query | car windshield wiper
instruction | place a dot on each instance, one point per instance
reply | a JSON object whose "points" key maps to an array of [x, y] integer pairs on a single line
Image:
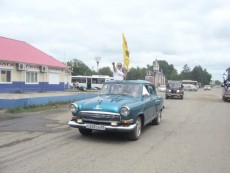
{"points": [[126, 94], [109, 94]]}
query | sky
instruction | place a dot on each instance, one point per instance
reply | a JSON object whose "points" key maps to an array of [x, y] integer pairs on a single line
{"points": [[180, 32]]}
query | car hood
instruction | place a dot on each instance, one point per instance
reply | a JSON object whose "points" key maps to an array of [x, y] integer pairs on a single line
{"points": [[105, 103]]}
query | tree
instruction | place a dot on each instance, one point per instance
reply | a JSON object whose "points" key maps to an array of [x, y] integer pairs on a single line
{"points": [[169, 71], [197, 73], [186, 73], [207, 77], [217, 82], [105, 71], [80, 68], [200, 75], [136, 73]]}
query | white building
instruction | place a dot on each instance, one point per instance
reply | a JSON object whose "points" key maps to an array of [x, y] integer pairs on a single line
{"points": [[24, 68], [155, 76]]}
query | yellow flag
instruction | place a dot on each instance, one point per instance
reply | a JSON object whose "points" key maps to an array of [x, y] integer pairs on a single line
{"points": [[125, 52]]}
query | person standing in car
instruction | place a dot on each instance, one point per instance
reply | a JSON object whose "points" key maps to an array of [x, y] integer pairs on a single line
{"points": [[117, 71], [225, 77]]}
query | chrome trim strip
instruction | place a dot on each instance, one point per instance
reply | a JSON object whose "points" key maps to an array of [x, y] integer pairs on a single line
{"points": [[98, 112], [74, 104], [119, 128]]}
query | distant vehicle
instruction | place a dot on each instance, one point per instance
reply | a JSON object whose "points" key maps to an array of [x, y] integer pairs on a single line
{"points": [[226, 92], [188, 83], [174, 89], [207, 87], [190, 88], [162, 88], [88, 82], [121, 106]]}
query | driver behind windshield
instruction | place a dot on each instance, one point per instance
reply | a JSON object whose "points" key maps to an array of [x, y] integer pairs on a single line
{"points": [[133, 90]]}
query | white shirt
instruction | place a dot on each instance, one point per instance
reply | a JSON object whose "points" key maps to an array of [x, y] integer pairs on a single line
{"points": [[225, 75], [118, 75]]}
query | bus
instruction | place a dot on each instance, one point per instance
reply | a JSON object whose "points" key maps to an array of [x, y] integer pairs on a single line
{"points": [[90, 82], [188, 83]]}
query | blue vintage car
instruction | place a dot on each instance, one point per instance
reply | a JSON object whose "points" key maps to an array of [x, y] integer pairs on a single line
{"points": [[123, 106]]}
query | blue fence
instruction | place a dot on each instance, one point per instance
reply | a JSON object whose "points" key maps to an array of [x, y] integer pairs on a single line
{"points": [[20, 87], [25, 102]]}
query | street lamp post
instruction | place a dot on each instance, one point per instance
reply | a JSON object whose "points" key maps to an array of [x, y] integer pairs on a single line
{"points": [[98, 59]]}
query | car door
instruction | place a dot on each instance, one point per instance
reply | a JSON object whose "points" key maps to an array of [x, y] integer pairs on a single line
{"points": [[153, 96], [156, 101], [151, 103], [147, 104]]}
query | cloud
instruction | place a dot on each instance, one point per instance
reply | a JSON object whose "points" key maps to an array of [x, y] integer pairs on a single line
{"points": [[180, 32]]}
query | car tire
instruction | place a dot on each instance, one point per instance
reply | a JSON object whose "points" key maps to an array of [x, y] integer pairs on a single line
{"points": [[136, 133], [157, 120], [85, 132], [181, 97]]}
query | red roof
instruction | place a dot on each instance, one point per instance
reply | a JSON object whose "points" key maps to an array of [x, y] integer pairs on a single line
{"points": [[19, 51]]}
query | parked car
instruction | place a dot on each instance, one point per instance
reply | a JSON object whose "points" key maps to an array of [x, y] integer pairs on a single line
{"points": [[174, 89], [226, 92], [162, 88], [207, 87], [121, 106]]}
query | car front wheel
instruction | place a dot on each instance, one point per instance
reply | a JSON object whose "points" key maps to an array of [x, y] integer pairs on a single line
{"points": [[136, 133]]}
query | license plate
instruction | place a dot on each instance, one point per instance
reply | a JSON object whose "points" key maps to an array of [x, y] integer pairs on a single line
{"points": [[95, 127]]}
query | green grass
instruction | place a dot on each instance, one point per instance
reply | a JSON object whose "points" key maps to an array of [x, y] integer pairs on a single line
{"points": [[37, 108]]}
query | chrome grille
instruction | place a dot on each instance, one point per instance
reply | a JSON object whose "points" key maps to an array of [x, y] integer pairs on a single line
{"points": [[103, 118]]}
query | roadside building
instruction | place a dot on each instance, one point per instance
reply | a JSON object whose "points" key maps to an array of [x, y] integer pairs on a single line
{"points": [[155, 75], [24, 68]]}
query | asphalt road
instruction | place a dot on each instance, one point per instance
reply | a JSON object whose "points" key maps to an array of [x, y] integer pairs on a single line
{"points": [[193, 137]]}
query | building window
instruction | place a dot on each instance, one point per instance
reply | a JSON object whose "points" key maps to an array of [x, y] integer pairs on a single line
{"points": [[54, 78], [5, 76], [31, 77]]}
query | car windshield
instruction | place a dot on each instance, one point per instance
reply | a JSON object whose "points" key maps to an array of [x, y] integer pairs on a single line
{"points": [[133, 90], [175, 85]]}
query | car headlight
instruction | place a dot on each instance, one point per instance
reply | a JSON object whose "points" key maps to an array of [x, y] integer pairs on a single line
{"points": [[73, 108], [169, 90], [124, 111]]}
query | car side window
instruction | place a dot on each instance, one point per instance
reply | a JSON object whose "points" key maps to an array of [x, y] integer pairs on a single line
{"points": [[145, 91], [151, 89]]}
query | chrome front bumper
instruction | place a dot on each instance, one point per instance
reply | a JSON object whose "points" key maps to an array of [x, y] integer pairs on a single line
{"points": [[174, 94], [107, 127]]}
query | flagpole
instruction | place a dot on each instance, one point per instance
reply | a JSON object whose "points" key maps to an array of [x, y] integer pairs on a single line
{"points": [[126, 73]]}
